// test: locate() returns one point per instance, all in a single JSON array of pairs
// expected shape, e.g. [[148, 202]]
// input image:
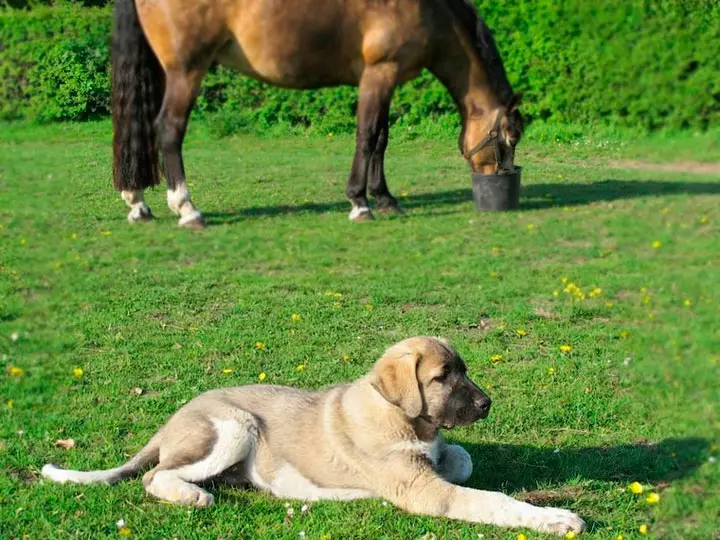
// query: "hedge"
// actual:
[[642, 63]]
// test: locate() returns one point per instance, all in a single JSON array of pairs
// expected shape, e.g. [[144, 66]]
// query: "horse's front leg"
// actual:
[[376, 88], [377, 184]]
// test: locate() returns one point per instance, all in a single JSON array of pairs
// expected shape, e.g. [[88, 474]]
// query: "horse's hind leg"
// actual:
[[376, 87], [139, 210], [180, 93]]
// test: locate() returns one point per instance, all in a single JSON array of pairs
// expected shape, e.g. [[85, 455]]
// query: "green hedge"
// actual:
[[640, 63]]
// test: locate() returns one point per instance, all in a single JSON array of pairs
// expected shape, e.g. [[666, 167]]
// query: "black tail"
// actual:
[[138, 84]]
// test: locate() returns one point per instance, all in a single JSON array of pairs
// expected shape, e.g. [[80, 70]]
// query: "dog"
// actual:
[[375, 437]]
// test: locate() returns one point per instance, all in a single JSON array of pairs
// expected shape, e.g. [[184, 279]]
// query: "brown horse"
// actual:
[[163, 48]]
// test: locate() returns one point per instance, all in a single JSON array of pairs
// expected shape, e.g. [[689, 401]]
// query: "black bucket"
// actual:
[[497, 192]]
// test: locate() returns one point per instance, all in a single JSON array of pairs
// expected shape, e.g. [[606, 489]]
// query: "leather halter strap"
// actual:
[[493, 138]]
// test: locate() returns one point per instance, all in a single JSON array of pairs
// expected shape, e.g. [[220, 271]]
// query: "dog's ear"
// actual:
[[395, 378]]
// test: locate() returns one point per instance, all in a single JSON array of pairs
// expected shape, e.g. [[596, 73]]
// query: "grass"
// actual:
[[167, 311]]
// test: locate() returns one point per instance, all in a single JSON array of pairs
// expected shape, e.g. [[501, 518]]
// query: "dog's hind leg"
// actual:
[[203, 449]]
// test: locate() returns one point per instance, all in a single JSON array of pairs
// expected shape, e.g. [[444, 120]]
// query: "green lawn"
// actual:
[[171, 311]]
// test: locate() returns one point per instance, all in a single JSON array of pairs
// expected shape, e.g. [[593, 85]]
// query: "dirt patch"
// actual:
[[549, 497], [694, 167]]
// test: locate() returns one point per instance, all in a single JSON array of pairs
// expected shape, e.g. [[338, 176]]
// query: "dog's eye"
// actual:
[[442, 377]]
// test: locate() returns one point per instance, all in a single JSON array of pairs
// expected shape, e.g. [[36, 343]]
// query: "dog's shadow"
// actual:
[[544, 473]]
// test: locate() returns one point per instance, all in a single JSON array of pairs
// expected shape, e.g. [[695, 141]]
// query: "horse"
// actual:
[[161, 50]]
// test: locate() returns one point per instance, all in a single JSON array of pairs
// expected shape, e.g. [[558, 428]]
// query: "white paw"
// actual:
[[456, 464], [559, 521], [194, 496]]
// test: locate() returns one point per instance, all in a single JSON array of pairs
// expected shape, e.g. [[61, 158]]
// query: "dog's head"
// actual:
[[427, 379]]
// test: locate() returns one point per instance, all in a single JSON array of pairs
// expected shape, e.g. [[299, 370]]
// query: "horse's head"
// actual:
[[489, 137]]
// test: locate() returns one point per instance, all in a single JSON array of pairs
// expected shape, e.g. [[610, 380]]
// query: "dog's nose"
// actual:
[[483, 404]]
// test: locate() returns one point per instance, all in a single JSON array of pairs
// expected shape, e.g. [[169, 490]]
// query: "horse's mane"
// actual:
[[466, 14]]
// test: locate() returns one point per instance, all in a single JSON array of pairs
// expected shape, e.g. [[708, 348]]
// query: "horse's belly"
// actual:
[[293, 69]]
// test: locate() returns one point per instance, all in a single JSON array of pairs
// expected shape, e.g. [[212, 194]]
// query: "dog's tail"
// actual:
[[148, 456]]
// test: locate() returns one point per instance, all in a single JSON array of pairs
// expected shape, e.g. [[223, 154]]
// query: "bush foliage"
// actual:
[[641, 63]]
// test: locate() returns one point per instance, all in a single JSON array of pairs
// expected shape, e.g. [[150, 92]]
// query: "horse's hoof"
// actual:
[[361, 214], [139, 215], [391, 210], [193, 221]]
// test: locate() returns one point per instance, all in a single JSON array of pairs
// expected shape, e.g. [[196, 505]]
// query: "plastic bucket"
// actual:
[[497, 192]]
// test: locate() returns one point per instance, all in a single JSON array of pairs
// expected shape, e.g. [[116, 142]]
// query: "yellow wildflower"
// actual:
[[704, 220], [653, 498], [656, 244], [551, 371], [16, 371], [556, 293], [565, 348], [369, 307], [531, 227], [570, 535], [521, 332], [9, 403], [624, 334], [563, 280], [73, 236], [262, 376], [106, 233], [643, 529], [597, 291], [300, 368], [609, 304], [404, 194], [521, 536], [333, 294], [260, 346], [651, 315], [636, 488], [78, 372], [124, 531], [687, 303], [227, 371], [295, 317], [23, 241], [346, 357], [619, 537], [495, 358]]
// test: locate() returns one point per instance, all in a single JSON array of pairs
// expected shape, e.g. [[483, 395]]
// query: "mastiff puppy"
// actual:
[[375, 437]]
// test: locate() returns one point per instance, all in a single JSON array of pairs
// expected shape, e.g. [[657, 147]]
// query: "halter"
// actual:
[[493, 138]]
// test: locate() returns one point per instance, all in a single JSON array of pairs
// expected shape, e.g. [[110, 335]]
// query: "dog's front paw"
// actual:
[[559, 521]]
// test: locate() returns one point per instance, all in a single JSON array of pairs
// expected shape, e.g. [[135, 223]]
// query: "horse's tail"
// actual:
[[138, 84], [148, 456]]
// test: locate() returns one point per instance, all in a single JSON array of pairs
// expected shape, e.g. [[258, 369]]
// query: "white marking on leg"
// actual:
[[359, 212], [181, 205], [139, 211]]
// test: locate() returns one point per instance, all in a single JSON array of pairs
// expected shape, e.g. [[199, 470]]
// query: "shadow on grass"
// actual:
[[533, 196], [519, 467]]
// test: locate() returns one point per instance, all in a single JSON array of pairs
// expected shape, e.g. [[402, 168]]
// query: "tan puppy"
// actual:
[[375, 437]]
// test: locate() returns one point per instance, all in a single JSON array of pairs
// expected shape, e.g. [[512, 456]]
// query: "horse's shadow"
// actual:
[[532, 197], [523, 467]]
